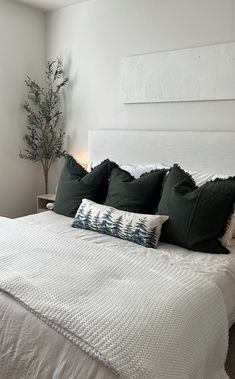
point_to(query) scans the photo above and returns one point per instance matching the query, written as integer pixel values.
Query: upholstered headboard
(202, 150)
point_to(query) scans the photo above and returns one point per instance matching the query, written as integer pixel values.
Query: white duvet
(124, 306)
(219, 268)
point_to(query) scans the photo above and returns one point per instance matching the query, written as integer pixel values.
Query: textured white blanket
(142, 318)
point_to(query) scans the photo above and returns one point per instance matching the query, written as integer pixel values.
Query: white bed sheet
(219, 268)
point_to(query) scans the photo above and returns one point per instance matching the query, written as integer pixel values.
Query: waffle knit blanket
(142, 318)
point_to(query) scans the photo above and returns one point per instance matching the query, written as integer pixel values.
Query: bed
(33, 347)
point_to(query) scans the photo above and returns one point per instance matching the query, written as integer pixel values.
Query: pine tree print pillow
(135, 227)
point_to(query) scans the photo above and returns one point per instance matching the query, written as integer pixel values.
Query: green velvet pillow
(76, 184)
(197, 215)
(135, 195)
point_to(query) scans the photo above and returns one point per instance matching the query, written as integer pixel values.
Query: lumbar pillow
(135, 195)
(197, 215)
(76, 184)
(138, 228)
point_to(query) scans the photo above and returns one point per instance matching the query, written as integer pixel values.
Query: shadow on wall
(67, 104)
(23, 181)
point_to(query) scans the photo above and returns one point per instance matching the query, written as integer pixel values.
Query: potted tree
(44, 138)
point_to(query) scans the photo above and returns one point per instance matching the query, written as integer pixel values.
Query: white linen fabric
(229, 235)
(134, 170)
(30, 349)
(142, 317)
(142, 229)
(202, 177)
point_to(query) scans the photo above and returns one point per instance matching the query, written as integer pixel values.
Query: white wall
(22, 45)
(92, 37)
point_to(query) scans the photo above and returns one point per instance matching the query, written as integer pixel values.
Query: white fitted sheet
(219, 268)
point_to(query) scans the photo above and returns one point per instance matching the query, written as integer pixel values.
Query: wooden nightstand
(42, 201)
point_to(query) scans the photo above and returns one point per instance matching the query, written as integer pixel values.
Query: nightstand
(42, 201)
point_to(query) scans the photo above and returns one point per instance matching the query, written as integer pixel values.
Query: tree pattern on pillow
(106, 223)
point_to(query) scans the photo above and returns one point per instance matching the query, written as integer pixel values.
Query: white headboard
(205, 151)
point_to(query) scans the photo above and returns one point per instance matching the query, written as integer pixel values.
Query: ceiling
(48, 5)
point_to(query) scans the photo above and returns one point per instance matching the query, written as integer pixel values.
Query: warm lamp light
(80, 156)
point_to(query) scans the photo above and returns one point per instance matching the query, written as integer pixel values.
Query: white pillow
(135, 227)
(138, 170)
(201, 177)
(228, 238)
(134, 170)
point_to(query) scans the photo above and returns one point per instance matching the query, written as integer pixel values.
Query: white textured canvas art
(201, 73)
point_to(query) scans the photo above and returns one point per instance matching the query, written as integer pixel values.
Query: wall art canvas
(195, 74)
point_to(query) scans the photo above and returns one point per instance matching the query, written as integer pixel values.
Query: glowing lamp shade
(81, 156)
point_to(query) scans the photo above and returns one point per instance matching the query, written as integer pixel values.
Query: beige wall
(92, 37)
(22, 46)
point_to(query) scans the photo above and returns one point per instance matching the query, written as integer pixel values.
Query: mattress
(218, 267)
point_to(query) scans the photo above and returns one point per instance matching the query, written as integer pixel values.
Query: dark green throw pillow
(135, 195)
(197, 215)
(76, 184)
